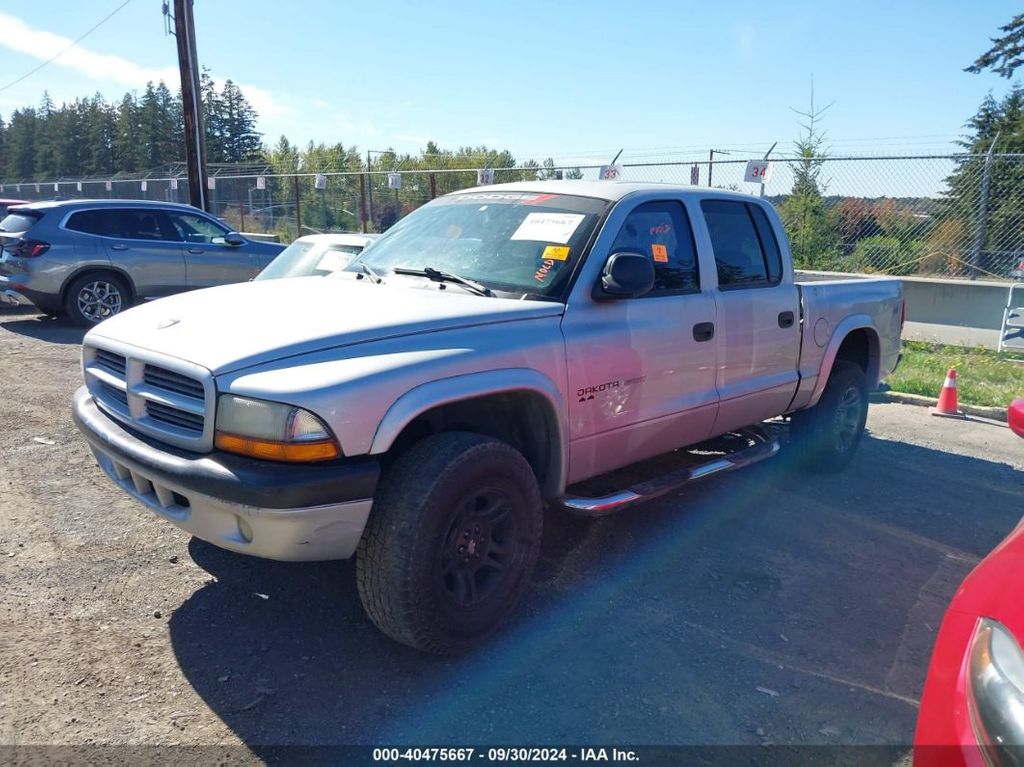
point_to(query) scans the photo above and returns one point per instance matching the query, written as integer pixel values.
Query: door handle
(786, 319)
(703, 331)
(119, 246)
(197, 251)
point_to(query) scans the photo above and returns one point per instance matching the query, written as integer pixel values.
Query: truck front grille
(167, 399)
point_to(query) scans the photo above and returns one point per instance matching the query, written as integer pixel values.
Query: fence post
(362, 200)
(979, 234)
(298, 207)
(433, 186)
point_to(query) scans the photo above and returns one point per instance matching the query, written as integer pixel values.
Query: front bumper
(291, 512)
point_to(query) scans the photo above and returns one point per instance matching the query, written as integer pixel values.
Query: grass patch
(983, 377)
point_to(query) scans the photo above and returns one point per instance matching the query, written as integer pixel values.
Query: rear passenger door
(140, 241)
(758, 315)
(210, 260)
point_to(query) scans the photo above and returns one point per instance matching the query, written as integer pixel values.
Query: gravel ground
(764, 606)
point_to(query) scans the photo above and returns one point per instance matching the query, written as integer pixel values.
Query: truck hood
(232, 327)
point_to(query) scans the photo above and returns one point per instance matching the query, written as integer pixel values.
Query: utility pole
(711, 160)
(191, 101)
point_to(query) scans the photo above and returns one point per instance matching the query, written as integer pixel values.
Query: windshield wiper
(438, 276)
(369, 272)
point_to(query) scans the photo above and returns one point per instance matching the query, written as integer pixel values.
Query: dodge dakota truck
(422, 406)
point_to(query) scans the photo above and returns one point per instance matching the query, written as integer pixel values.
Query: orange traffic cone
(947, 405)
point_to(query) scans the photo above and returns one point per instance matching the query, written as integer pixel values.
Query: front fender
(470, 386)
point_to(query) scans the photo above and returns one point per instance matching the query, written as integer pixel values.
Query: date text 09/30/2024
(503, 754)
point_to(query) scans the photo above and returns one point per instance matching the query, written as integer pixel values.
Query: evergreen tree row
(94, 137)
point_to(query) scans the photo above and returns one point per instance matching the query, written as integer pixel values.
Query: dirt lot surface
(765, 606)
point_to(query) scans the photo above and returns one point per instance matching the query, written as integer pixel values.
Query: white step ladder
(1011, 337)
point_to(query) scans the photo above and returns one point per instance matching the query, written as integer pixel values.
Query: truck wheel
(92, 298)
(826, 436)
(451, 542)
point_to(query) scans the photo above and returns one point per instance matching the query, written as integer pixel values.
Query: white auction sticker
(334, 261)
(548, 227)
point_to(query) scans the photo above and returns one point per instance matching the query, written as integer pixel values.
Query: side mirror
(234, 239)
(625, 275)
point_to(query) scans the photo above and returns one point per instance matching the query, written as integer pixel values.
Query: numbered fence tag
(485, 176)
(320, 182)
(394, 181)
(261, 182)
(610, 172)
(758, 172)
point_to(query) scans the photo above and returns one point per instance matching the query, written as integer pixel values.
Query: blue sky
(571, 79)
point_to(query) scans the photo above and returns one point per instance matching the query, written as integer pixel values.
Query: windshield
(309, 257)
(517, 242)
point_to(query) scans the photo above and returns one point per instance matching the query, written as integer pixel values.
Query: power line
(60, 53)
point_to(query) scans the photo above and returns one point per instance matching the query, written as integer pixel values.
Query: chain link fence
(956, 216)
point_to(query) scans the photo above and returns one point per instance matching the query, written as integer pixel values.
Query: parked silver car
(91, 259)
(317, 254)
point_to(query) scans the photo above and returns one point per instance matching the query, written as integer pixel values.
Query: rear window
(20, 221)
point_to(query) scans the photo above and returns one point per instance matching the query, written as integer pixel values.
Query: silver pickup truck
(420, 406)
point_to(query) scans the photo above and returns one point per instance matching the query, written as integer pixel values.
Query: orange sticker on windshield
(557, 252)
(660, 253)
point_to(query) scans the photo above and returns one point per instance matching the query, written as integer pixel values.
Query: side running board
(765, 445)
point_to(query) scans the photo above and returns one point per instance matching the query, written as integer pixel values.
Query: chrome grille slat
(112, 363)
(176, 382)
(174, 417)
(118, 395)
(163, 397)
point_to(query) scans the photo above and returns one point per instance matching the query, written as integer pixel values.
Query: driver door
(641, 370)
(209, 260)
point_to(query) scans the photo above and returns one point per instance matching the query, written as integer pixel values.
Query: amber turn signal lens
(292, 452)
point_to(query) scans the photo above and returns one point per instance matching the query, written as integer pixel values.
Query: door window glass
(661, 231)
(739, 255)
(191, 228)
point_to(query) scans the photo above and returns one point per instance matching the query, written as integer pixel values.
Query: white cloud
(745, 36)
(40, 44)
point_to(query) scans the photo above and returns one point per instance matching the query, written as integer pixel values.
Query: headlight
(996, 702)
(272, 431)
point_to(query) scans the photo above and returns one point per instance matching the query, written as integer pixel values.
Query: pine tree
(100, 134)
(20, 157)
(812, 227)
(1006, 53)
(127, 144)
(241, 141)
(45, 165)
(213, 117)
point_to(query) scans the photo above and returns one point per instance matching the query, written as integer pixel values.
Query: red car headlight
(995, 672)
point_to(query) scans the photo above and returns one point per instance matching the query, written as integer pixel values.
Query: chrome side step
(765, 446)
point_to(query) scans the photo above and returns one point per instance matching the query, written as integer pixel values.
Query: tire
(826, 436)
(94, 297)
(451, 543)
